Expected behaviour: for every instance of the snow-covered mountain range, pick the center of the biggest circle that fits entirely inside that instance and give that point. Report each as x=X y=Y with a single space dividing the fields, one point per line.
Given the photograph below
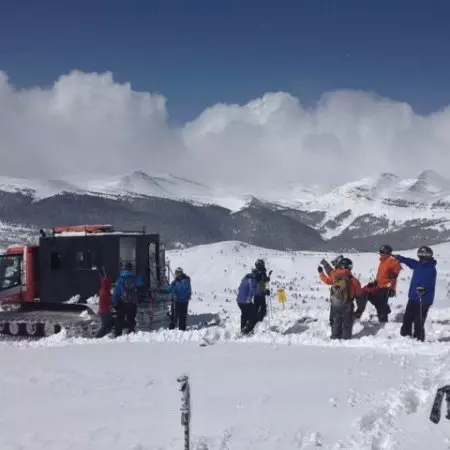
x=381 y=204
x=134 y=184
x=354 y=214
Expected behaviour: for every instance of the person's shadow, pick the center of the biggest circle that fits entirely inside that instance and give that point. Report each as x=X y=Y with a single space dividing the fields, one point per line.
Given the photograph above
x=205 y=320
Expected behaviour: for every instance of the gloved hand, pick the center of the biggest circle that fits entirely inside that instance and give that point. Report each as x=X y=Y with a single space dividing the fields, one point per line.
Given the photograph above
x=391 y=293
x=267 y=292
x=372 y=284
x=320 y=269
x=420 y=290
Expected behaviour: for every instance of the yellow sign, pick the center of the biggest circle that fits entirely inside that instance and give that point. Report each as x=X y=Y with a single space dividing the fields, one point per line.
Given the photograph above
x=281 y=293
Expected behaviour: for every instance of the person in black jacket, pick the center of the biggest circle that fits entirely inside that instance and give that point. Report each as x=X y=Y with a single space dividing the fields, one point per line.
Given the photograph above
x=262 y=278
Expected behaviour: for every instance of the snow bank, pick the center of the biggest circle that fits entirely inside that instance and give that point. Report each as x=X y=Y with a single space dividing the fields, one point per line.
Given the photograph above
x=243 y=397
x=286 y=387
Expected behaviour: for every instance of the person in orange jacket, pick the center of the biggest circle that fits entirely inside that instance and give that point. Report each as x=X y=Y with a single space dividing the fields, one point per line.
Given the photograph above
x=385 y=285
x=345 y=289
x=326 y=270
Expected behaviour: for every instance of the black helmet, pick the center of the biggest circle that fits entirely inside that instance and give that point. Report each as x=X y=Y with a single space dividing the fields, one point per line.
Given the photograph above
x=385 y=250
x=336 y=260
x=260 y=264
x=424 y=252
x=128 y=266
x=345 y=263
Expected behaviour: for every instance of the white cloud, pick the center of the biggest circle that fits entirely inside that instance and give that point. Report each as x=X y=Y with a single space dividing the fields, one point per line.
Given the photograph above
x=88 y=125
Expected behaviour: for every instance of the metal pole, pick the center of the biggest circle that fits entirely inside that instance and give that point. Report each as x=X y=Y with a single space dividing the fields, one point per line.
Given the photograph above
x=270 y=304
x=422 y=325
x=185 y=408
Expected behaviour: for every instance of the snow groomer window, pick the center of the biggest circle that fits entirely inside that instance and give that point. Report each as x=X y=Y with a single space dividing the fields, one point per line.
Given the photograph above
x=128 y=250
x=10 y=267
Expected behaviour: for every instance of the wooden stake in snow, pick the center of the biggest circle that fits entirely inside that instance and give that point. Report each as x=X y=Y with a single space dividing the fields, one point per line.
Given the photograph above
x=185 y=408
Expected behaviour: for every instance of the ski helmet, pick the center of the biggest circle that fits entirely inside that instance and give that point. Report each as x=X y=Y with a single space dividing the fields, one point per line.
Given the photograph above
x=178 y=272
x=425 y=252
x=345 y=263
x=385 y=250
x=336 y=260
x=260 y=264
x=128 y=266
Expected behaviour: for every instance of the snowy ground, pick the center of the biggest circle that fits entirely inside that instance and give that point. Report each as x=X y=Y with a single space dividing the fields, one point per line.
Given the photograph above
x=287 y=387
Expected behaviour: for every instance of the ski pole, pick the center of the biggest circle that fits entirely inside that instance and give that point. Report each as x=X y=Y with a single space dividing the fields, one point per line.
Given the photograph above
x=270 y=304
x=420 y=294
x=270 y=307
x=185 y=408
x=270 y=297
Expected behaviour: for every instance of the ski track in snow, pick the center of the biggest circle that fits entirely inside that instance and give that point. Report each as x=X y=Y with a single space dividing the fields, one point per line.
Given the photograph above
x=373 y=430
x=394 y=378
x=376 y=429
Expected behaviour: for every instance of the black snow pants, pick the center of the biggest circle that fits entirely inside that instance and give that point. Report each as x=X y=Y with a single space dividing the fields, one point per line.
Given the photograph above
x=380 y=300
x=261 y=307
x=342 y=320
x=178 y=315
x=107 y=325
x=125 y=315
x=415 y=314
x=361 y=305
x=248 y=317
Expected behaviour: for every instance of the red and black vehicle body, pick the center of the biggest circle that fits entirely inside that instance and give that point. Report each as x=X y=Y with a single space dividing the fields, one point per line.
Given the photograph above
x=46 y=287
x=19 y=274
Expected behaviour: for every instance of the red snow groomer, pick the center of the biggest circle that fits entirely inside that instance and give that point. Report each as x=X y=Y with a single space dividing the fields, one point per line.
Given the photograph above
x=46 y=287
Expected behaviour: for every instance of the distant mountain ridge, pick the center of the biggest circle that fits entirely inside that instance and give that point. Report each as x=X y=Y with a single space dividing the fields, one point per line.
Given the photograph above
x=356 y=215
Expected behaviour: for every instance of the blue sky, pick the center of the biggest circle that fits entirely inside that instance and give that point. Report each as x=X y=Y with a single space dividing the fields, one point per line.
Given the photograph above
x=200 y=52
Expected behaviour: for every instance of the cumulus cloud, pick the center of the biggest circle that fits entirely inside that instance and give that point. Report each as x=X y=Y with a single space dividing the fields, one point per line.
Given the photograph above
x=88 y=125
x=84 y=124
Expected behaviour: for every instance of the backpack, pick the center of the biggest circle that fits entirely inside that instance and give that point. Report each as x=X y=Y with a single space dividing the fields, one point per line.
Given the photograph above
x=129 y=290
x=261 y=281
x=341 y=290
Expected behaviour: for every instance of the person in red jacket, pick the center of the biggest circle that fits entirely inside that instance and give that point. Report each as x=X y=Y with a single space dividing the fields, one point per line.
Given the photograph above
x=105 y=306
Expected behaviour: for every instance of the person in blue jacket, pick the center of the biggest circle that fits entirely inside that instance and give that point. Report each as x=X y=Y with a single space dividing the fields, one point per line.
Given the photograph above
x=181 y=291
x=247 y=290
x=125 y=299
x=421 y=292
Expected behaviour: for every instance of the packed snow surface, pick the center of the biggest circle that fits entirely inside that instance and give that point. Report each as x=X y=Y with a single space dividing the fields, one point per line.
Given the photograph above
x=286 y=387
